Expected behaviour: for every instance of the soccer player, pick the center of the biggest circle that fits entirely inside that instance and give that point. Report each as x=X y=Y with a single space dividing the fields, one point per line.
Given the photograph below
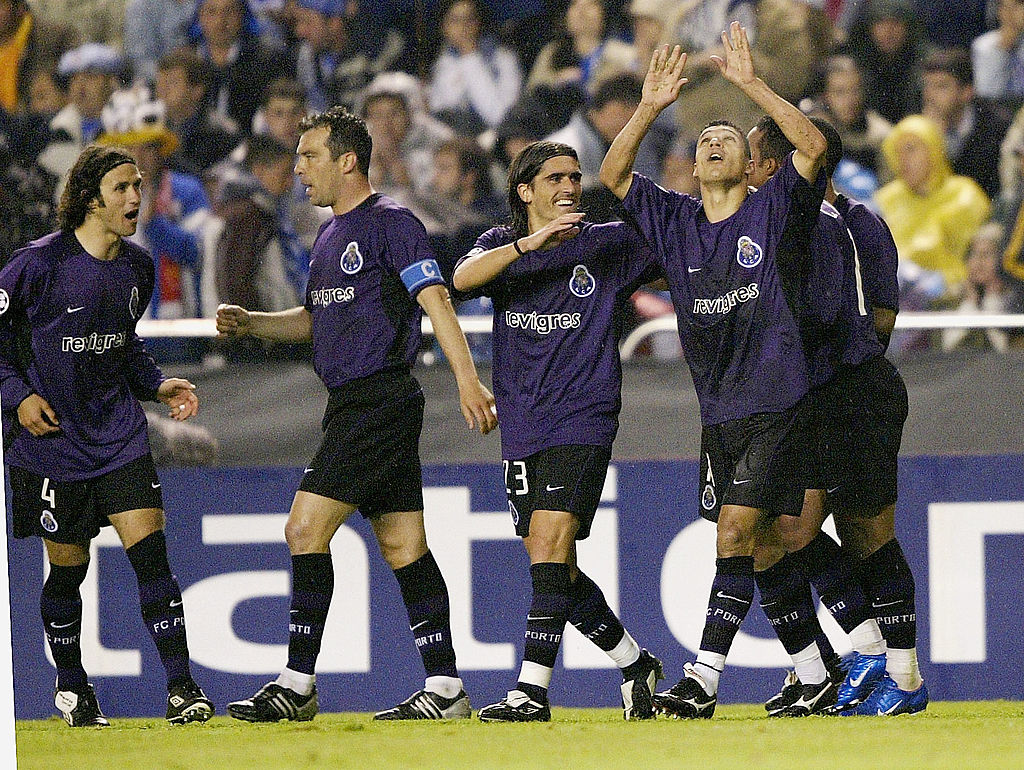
x=558 y=284
x=371 y=272
x=72 y=373
x=852 y=380
x=735 y=294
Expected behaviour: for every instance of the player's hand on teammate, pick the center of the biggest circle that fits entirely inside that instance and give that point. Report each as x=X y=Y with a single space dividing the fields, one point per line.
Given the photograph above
x=478 y=407
x=232 y=321
x=664 y=77
x=180 y=396
x=554 y=232
x=37 y=416
x=738 y=66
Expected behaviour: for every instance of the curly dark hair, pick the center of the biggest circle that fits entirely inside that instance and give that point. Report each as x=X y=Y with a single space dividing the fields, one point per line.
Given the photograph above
x=525 y=167
x=348 y=133
x=83 y=187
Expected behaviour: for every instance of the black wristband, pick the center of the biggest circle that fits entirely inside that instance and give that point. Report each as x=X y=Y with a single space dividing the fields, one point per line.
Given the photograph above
x=515 y=245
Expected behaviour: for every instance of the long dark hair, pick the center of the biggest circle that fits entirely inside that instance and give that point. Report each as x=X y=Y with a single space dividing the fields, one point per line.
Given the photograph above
x=83 y=185
x=525 y=167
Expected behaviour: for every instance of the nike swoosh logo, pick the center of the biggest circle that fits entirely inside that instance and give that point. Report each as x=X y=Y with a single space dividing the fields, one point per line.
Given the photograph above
x=155 y=486
x=307 y=470
x=856 y=682
x=694 y=269
x=292 y=612
x=63 y=625
x=539 y=617
x=722 y=595
x=830 y=491
x=76 y=309
x=885 y=604
x=737 y=482
x=421 y=623
x=889 y=710
x=550 y=488
x=177 y=603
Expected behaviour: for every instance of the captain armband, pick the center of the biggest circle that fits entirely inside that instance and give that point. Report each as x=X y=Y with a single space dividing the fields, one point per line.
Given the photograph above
x=420 y=274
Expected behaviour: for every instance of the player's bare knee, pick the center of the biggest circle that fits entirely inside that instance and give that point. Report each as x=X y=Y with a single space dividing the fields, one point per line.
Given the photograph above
x=734 y=539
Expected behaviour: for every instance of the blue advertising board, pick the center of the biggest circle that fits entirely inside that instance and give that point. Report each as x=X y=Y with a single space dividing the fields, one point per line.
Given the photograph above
x=960 y=521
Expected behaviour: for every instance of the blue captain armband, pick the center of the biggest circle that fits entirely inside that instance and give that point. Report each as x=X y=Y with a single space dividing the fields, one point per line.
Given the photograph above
x=420 y=274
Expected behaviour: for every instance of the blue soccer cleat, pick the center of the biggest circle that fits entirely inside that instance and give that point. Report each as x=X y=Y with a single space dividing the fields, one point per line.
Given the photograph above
x=889 y=700
x=864 y=675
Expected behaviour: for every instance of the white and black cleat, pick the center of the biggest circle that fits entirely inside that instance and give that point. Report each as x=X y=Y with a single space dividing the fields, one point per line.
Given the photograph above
x=687 y=699
x=814 y=699
x=274 y=703
x=516 y=706
x=429 y=705
x=80 y=707
x=638 y=693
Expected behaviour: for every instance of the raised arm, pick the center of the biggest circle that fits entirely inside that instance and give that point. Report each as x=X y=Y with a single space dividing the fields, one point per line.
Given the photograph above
x=476 y=401
x=738 y=68
x=294 y=325
x=661 y=87
x=483 y=267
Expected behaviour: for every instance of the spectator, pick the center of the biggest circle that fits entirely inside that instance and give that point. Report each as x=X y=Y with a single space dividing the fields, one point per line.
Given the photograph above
x=539 y=112
x=985 y=291
x=227 y=37
x=259 y=261
x=651 y=23
x=27 y=207
x=887 y=44
x=973 y=128
x=405 y=137
x=45 y=97
x=340 y=52
x=952 y=24
x=26 y=44
x=474 y=80
x=677 y=168
x=175 y=211
x=570 y=60
x=152 y=29
x=842 y=104
x=698 y=27
x=97 y=21
x=182 y=80
x=1010 y=213
x=932 y=212
x=91 y=72
x=999 y=55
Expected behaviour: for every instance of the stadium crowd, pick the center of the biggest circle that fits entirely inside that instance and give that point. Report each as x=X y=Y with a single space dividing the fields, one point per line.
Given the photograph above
x=926 y=96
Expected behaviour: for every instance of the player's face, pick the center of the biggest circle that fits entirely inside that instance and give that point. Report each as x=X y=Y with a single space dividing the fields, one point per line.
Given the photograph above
x=322 y=176
x=555 y=190
x=721 y=156
x=120 y=198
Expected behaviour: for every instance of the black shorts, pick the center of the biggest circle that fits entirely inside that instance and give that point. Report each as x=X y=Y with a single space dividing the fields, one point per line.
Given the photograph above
x=859 y=417
x=756 y=461
x=563 y=478
x=74 y=511
x=369 y=456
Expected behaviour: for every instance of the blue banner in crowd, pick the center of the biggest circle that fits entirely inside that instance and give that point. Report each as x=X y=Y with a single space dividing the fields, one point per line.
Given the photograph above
x=960 y=521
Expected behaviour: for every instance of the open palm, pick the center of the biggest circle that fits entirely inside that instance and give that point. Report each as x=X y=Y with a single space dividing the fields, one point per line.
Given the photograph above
x=664 y=77
x=737 y=67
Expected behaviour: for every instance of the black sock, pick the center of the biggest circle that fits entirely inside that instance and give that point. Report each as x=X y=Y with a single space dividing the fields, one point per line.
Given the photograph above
x=732 y=593
x=787 y=603
x=160 y=598
x=426 y=601
x=590 y=613
x=545 y=625
x=833 y=575
x=61 y=607
x=890 y=585
x=312 y=589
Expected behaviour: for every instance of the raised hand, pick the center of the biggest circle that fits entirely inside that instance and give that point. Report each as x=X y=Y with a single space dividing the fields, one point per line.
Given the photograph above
x=737 y=67
x=554 y=232
x=664 y=77
x=232 y=321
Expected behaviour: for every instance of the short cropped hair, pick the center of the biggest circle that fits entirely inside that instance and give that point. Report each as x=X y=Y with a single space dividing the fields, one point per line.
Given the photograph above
x=525 y=167
x=734 y=127
x=834 y=149
x=197 y=71
x=347 y=133
x=263 y=149
x=952 y=61
x=83 y=187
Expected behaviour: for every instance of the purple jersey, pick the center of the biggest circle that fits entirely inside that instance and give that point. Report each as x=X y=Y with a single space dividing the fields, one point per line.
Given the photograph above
x=367 y=266
x=835 y=321
x=876 y=250
x=734 y=291
x=67 y=332
x=557 y=314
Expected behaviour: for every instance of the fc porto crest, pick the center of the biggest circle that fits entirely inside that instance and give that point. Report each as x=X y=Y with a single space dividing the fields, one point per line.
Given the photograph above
x=352 y=259
x=708 y=499
x=748 y=253
x=133 y=303
x=582 y=283
x=5 y=301
x=48 y=522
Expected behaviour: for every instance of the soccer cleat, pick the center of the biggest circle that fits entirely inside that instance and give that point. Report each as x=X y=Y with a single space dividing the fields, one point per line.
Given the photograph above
x=638 y=693
x=889 y=700
x=274 y=703
x=786 y=697
x=186 y=702
x=516 y=706
x=80 y=707
x=429 y=705
x=863 y=676
x=814 y=699
x=687 y=699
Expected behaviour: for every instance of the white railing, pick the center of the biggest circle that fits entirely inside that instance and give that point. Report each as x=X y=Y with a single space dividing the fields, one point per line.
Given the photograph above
x=204 y=327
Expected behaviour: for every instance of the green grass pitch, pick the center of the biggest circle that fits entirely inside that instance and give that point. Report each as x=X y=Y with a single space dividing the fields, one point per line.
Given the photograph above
x=947 y=735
